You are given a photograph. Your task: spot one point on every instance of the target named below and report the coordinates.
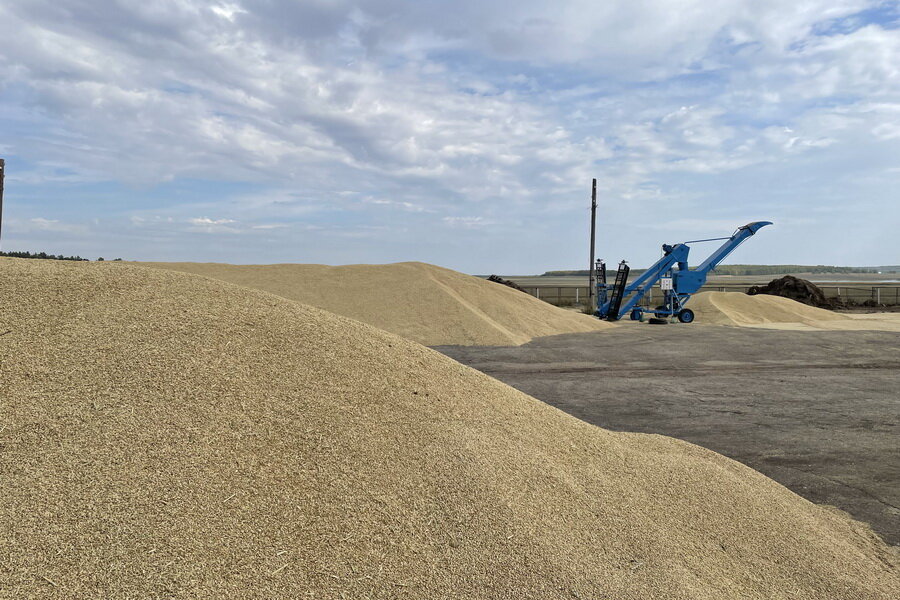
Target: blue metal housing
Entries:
(685, 281)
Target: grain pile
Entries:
(428, 304)
(775, 312)
(171, 436)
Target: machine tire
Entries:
(686, 315)
(636, 315)
(754, 290)
(662, 307)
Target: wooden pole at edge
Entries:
(591, 285)
(2, 174)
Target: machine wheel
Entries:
(637, 315)
(754, 290)
(686, 315)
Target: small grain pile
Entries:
(171, 436)
(427, 304)
(775, 312)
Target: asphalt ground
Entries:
(816, 411)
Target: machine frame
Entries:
(620, 298)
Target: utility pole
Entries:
(591, 286)
(2, 173)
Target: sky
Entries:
(462, 133)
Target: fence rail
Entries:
(888, 295)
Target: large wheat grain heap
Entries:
(427, 304)
(171, 436)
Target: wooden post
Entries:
(591, 286)
(2, 174)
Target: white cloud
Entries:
(207, 225)
(270, 226)
(227, 10)
(54, 225)
(246, 98)
(466, 222)
(407, 206)
(208, 221)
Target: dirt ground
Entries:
(816, 411)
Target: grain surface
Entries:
(170, 436)
(775, 312)
(425, 303)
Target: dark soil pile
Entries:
(506, 282)
(794, 288)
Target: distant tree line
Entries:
(742, 270)
(45, 256)
(781, 269)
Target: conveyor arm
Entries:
(685, 281)
(728, 247)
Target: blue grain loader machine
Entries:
(677, 281)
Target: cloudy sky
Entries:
(463, 133)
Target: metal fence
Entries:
(888, 295)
